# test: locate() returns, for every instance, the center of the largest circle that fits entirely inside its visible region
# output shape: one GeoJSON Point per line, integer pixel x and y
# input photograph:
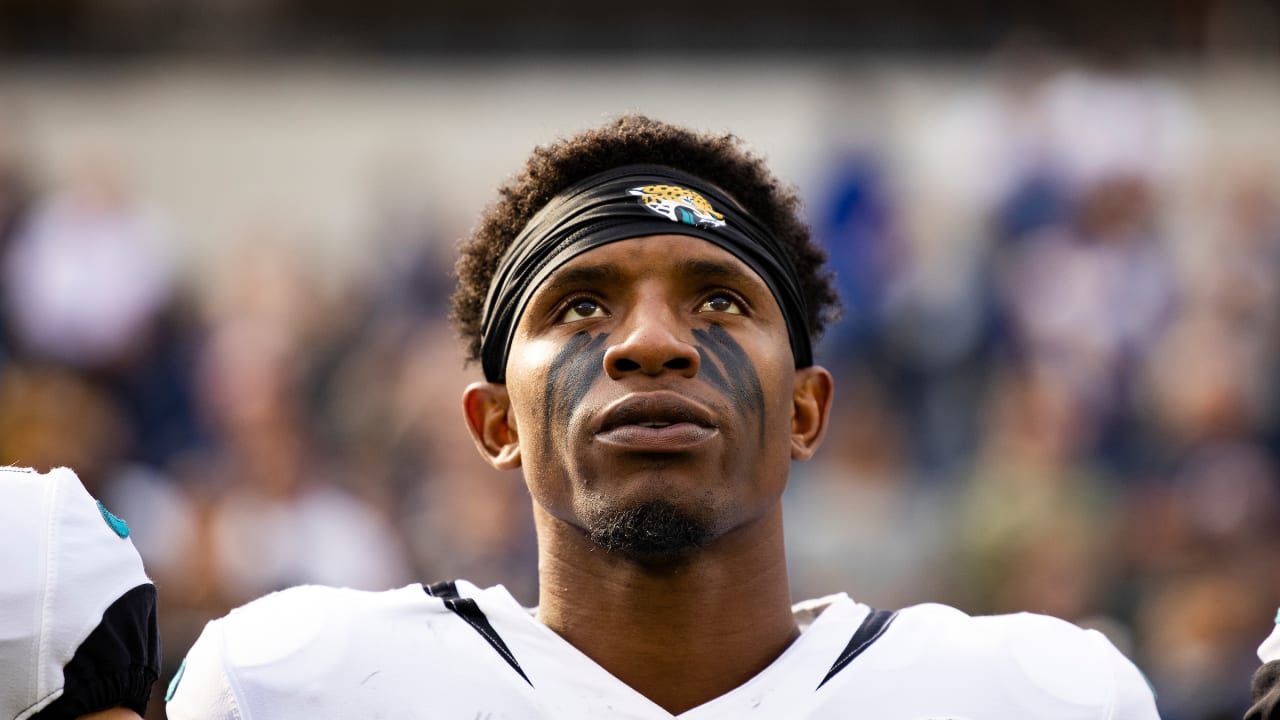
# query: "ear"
{"type": "Point", "coordinates": [810, 410]}
{"type": "Point", "coordinates": [488, 411]}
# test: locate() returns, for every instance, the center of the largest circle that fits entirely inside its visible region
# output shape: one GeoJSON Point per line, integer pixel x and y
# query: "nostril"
{"type": "Point", "coordinates": [678, 363]}
{"type": "Point", "coordinates": [625, 365]}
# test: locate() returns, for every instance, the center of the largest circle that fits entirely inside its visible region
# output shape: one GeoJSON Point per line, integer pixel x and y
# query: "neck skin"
{"type": "Point", "coordinates": [679, 635]}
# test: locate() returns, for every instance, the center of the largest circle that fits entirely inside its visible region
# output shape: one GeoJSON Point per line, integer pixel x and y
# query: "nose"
{"type": "Point", "coordinates": [651, 344]}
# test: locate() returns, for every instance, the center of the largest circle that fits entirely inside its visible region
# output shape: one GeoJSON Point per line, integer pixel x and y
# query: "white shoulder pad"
{"type": "Point", "coordinates": [920, 630]}
{"type": "Point", "coordinates": [1055, 655]}
{"type": "Point", "coordinates": [283, 654]}
{"type": "Point", "coordinates": [1269, 650]}
{"type": "Point", "coordinates": [1072, 664]}
{"type": "Point", "coordinates": [201, 689]}
{"type": "Point", "coordinates": [290, 627]}
{"type": "Point", "coordinates": [66, 559]}
{"type": "Point", "coordinates": [281, 625]}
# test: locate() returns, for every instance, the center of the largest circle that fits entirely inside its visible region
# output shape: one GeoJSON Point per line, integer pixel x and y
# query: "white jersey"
{"type": "Point", "coordinates": [452, 650]}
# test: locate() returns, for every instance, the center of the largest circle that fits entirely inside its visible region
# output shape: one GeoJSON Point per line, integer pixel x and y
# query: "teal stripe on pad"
{"type": "Point", "coordinates": [118, 526]}
{"type": "Point", "coordinates": [177, 678]}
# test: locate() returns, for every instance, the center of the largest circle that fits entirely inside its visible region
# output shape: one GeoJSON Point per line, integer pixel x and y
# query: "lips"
{"type": "Point", "coordinates": [656, 422]}
{"type": "Point", "coordinates": [654, 409]}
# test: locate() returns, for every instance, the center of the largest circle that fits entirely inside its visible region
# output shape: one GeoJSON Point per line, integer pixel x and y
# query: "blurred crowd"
{"type": "Point", "coordinates": [1056, 385]}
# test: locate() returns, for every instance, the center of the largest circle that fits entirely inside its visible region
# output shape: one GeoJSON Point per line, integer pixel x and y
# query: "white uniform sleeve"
{"type": "Point", "coordinates": [1133, 698]}
{"type": "Point", "coordinates": [201, 690]}
{"type": "Point", "coordinates": [1269, 650]}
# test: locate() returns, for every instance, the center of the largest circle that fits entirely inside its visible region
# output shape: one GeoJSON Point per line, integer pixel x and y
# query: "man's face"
{"type": "Point", "coordinates": [651, 383]}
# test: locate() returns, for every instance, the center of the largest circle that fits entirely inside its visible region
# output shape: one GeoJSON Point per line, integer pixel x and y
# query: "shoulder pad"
{"type": "Point", "coordinates": [1062, 659]}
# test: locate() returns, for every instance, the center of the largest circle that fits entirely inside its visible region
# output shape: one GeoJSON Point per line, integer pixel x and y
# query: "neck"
{"type": "Point", "coordinates": [681, 634]}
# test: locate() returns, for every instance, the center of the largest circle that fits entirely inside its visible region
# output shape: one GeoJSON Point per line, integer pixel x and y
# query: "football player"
{"type": "Point", "coordinates": [643, 301]}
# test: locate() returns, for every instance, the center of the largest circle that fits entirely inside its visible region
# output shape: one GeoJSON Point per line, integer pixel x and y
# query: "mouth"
{"type": "Point", "coordinates": [661, 421]}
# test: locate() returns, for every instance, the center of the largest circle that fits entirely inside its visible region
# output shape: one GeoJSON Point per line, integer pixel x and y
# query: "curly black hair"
{"type": "Point", "coordinates": [630, 140]}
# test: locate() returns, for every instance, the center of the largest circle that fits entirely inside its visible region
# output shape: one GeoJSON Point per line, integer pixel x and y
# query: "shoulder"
{"type": "Point", "coordinates": [1024, 637]}
{"type": "Point", "coordinates": [254, 656]}
{"type": "Point", "coordinates": [84, 556]}
{"type": "Point", "coordinates": [66, 514]}
{"type": "Point", "coordinates": [1265, 690]}
{"type": "Point", "coordinates": [299, 620]}
{"type": "Point", "coordinates": [87, 607]}
{"type": "Point", "coordinates": [1056, 659]}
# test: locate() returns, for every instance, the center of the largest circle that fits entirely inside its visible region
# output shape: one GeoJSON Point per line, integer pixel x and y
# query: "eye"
{"type": "Point", "coordinates": [721, 303]}
{"type": "Point", "coordinates": [582, 309]}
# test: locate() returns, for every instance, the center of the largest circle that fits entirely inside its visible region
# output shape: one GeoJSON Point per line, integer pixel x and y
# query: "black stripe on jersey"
{"type": "Point", "coordinates": [876, 623]}
{"type": "Point", "coordinates": [470, 612]}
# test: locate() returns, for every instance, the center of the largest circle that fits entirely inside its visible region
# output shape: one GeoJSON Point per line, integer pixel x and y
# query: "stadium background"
{"type": "Point", "coordinates": [226, 228]}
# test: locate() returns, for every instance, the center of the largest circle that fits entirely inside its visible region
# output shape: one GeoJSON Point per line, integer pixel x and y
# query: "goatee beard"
{"type": "Point", "coordinates": [653, 533]}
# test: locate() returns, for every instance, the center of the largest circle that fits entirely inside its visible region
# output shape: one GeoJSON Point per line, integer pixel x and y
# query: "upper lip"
{"type": "Point", "coordinates": [662, 406]}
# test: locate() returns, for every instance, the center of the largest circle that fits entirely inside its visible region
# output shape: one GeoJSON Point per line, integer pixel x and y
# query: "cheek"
{"type": "Point", "coordinates": [554, 376]}
{"type": "Point", "coordinates": [778, 375]}
{"type": "Point", "coordinates": [529, 365]}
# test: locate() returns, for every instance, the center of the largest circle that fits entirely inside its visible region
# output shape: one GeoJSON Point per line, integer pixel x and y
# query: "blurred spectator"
{"type": "Point", "coordinates": [1113, 119]}
{"type": "Point", "coordinates": [842, 505]}
{"type": "Point", "coordinates": [461, 519]}
{"type": "Point", "coordinates": [15, 195]}
{"type": "Point", "coordinates": [856, 225]}
{"type": "Point", "coordinates": [89, 271]}
{"type": "Point", "coordinates": [52, 417]}
{"type": "Point", "coordinates": [1035, 516]}
{"type": "Point", "coordinates": [282, 516]}
{"type": "Point", "coordinates": [1195, 624]}
{"type": "Point", "coordinates": [1088, 300]}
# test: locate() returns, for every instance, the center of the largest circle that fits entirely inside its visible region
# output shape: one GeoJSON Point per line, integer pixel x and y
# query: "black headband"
{"type": "Point", "coordinates": [623, 203]}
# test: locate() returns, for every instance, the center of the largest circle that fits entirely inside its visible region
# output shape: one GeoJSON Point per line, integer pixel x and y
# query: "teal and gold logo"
{"type": "Point", "coordinates": [680, 205]}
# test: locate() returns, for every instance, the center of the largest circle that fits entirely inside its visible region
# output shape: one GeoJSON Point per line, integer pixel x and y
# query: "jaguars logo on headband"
{"type": "Point", "coordinates": [680, 205]}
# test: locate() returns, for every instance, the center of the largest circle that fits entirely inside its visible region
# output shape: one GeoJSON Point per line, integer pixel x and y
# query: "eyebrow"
{"type": "Point", "coordinates": [574, 277]}
{"type": "Point", "coordinates": [716, 270]}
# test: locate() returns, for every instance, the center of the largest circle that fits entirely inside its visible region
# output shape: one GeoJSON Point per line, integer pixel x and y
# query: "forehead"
{"type": "Point", "coordinates": [672, 257]}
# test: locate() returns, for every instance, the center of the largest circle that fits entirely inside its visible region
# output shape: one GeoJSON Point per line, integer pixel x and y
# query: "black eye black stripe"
{"type": "Point", "coordinates": [737, 375]}
{"type": "Point", "coordinates": [570, 376]}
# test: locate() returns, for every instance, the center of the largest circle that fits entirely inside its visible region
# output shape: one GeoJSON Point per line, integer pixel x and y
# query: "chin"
{"type": "Point", "coordinates": [652, 533]}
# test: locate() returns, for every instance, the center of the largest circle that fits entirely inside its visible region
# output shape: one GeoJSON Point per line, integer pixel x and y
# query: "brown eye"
{"type": "Point", "coordinates": [721, 304]}
{"type": "Point", "coordinates": [581, 310]}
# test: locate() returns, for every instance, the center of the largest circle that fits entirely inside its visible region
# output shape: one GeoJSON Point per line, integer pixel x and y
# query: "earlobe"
{"type": "Point", "coordinates": [487, 408]}
{"type": "Point", "coordinates": [811, 408]}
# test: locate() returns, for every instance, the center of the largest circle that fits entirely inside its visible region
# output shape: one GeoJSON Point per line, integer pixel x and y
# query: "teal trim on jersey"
{"type": "Point", "coordinates": [177, 678]}
{"type": "Point", "coordinates": [120, 527]}
{"type": "Point", "coordinates": [1278, 616]}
